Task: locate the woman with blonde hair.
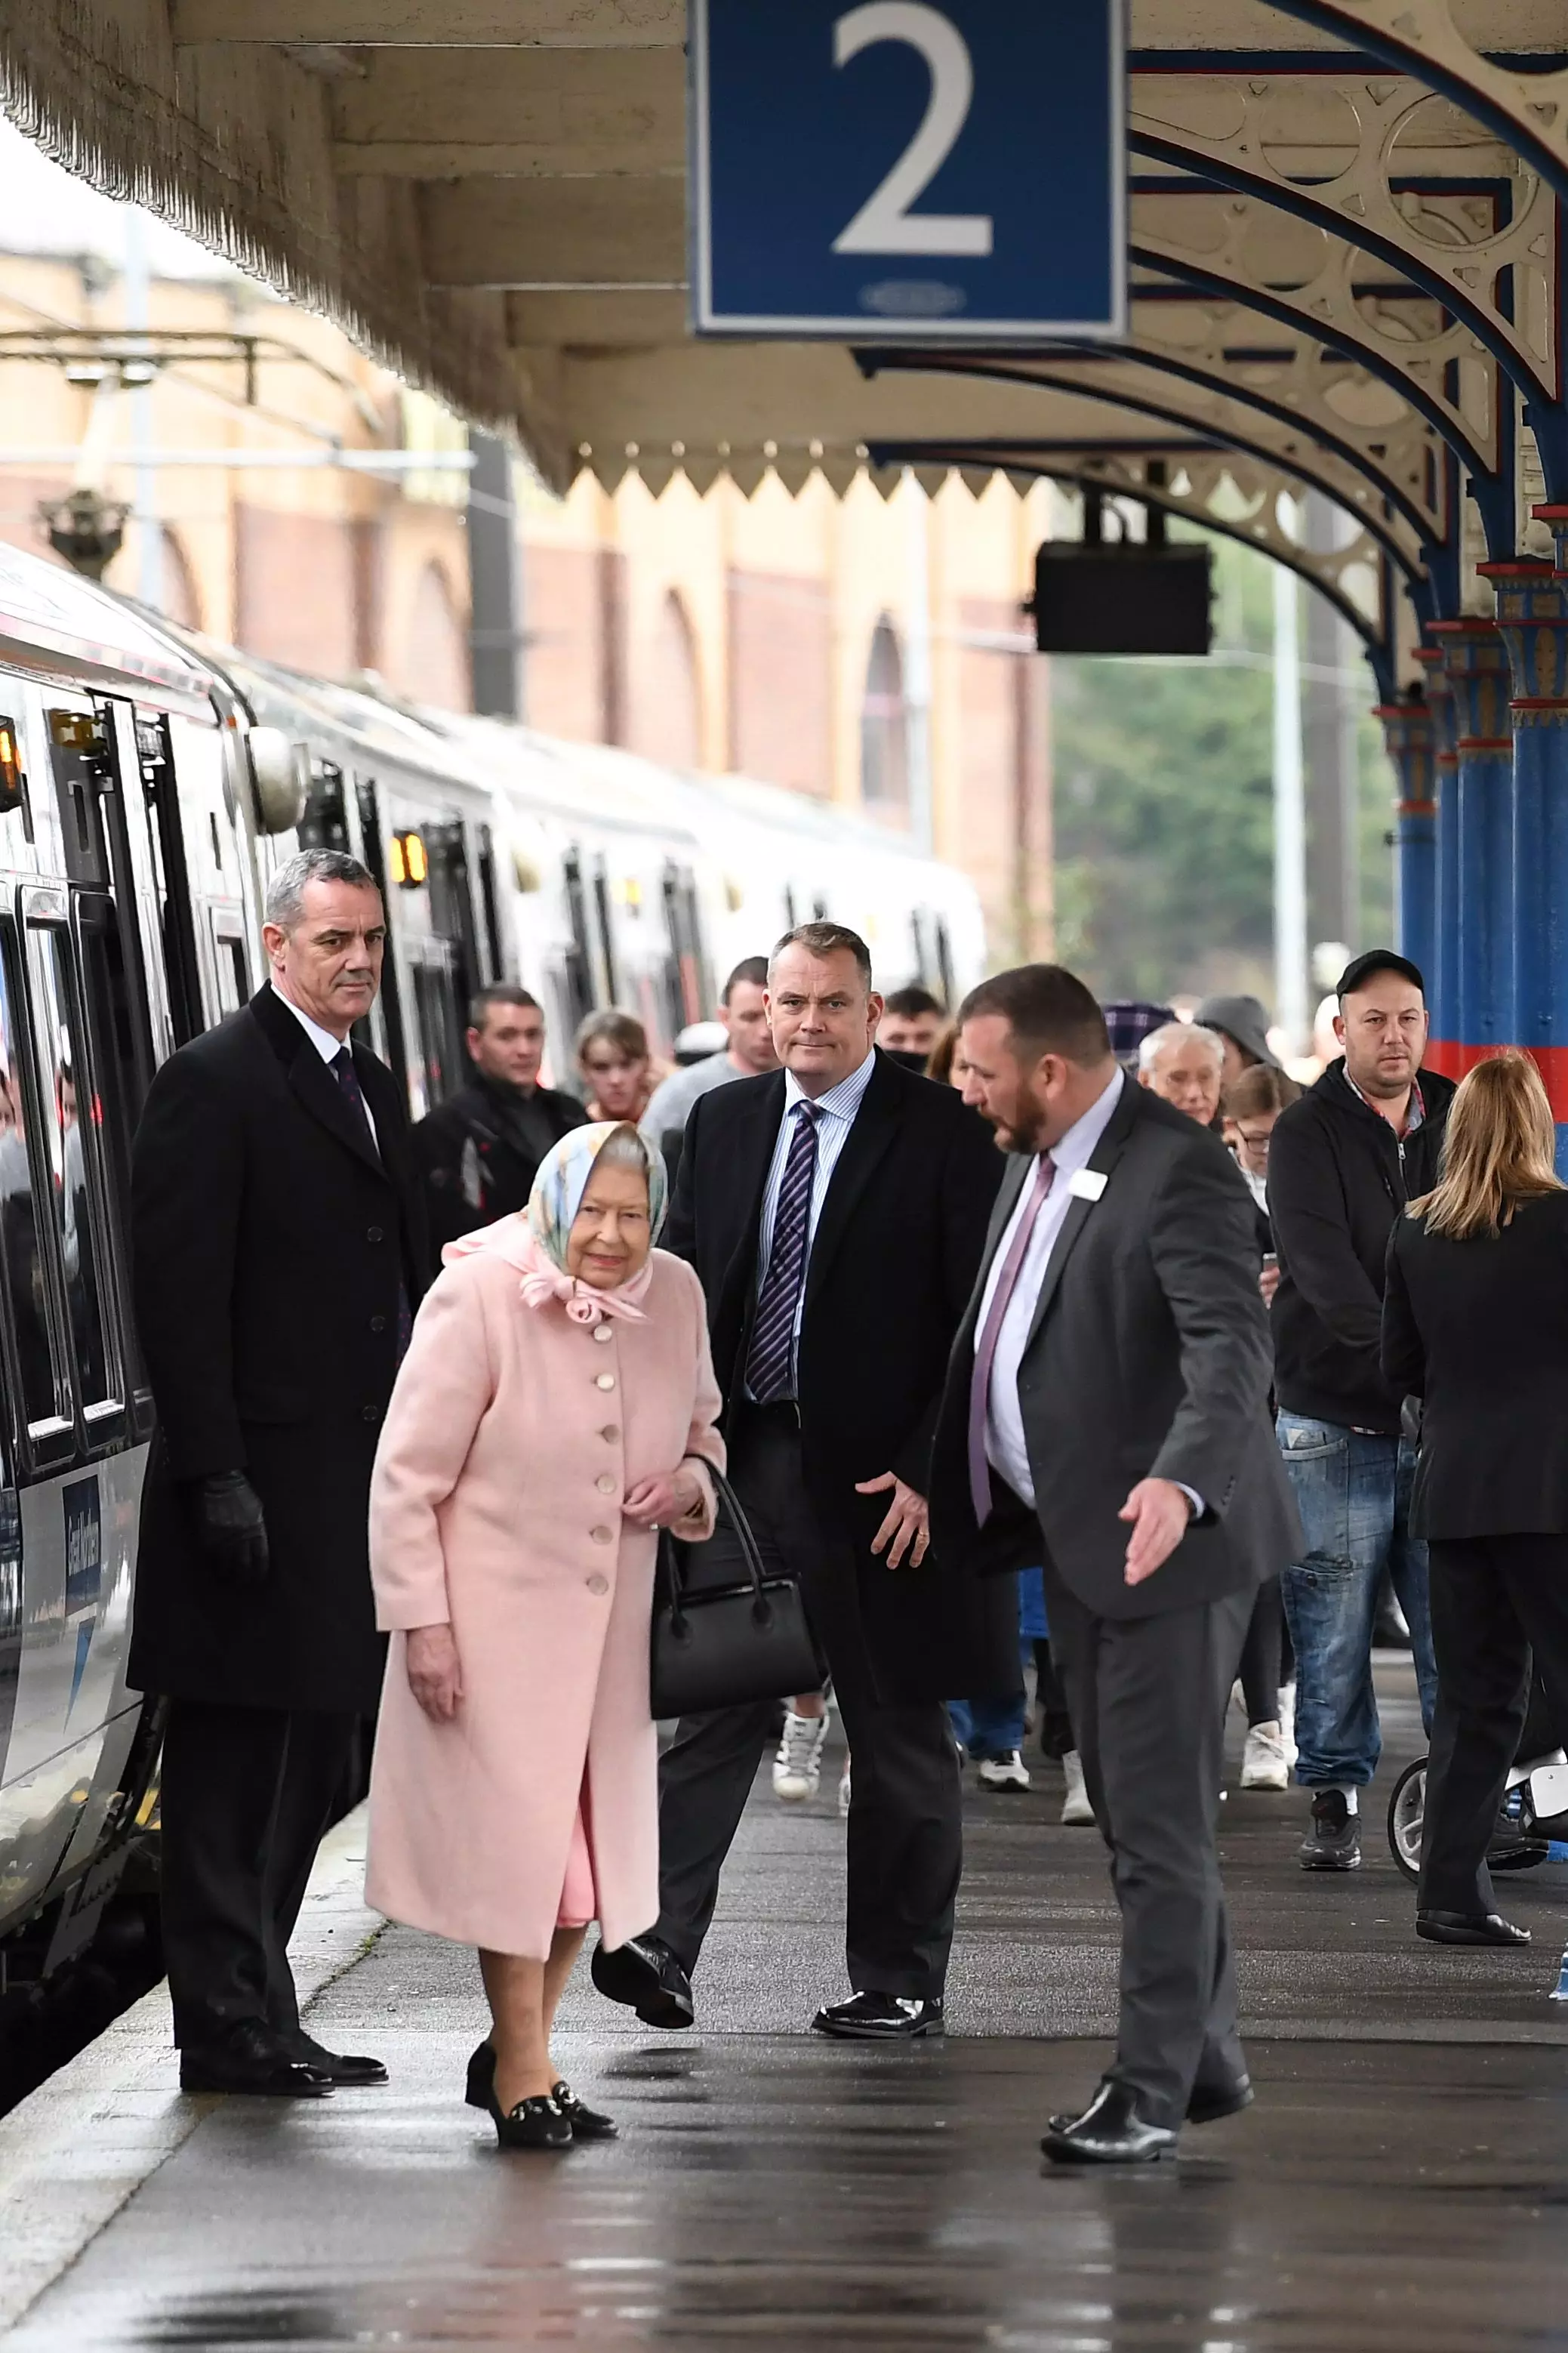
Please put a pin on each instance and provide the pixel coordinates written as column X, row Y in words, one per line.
column 1475, row 1323
column 556, row 1407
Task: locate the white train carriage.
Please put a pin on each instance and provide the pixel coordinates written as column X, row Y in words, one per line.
column 149, row 785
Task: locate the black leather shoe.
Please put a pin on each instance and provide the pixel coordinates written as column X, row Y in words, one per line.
column 342, row 2067
column 1110, row 2132
column 587, row 2124
column 1468, row 1928
column 1334, row 1843
column 880, row 2017
column 537, row 2123
column 250, row 2059
column 645, row 1977
column 481, row 2076
column 1211, row 2102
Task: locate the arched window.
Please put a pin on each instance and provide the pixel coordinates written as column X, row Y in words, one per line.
column 180, row 601
column 436, row 662
column 669, row 721
column 885, row 729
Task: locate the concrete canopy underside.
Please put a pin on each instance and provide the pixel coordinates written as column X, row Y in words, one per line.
column 1343, row 228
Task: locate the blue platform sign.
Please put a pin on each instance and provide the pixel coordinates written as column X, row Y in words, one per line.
column 900, row 172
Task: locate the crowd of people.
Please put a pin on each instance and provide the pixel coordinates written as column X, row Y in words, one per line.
column 1049, row 1340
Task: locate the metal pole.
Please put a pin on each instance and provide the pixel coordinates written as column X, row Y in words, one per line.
column 144, row 505
column 1290, row 818
column 495, row 633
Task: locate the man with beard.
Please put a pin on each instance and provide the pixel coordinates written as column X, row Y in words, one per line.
column 478, row 1153
column 1108, row 1393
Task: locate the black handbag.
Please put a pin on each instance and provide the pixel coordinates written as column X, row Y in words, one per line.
column 720, row 1646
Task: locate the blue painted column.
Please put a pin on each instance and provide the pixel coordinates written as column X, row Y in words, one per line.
column 1475, row 661
column 1532, row 620
column 1407, row 732
column 1443, row 980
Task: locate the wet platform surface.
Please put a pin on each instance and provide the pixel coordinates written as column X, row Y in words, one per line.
column 1402, row 2183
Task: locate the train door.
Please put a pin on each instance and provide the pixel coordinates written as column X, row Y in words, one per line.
column 689, row 984
column 373, row 851
column 575, row 977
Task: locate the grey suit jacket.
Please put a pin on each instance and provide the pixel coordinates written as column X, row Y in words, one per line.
column 1148, row 1357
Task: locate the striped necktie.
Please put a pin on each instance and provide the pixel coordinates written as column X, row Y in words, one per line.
column 770, row 1365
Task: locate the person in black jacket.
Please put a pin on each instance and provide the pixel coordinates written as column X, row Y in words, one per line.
column 1343, row 1163
column 835, row 1212
column 480, row 1153
column 279, row 1252
column 1475, row 1322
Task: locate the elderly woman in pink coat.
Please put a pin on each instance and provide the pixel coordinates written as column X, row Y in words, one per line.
column 556, row 1407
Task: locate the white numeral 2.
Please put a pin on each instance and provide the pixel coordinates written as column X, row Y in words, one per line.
column 884, row 223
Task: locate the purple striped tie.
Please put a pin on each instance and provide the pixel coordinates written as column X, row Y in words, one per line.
column 770, row 1363
column 985, row 1355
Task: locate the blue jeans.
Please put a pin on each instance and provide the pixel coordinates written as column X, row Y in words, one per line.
column 1352, row 1491
column 989, row 1727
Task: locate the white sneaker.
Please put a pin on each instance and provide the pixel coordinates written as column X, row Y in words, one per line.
column 1288, row 1719
column 844, row 1788
column 797, row 1768
column 1077, row 1811
column 1265, row 1760
column 1008, row 1772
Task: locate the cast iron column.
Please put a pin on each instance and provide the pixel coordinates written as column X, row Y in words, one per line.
column 1443, row 980
column 1408, row 733
column 1475, row 661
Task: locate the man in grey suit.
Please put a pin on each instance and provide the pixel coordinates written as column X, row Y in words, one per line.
column 1108, row 1390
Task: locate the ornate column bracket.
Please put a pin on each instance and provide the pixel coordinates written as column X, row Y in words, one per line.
column 1410, row 737
column 1476, row 664
column 1420, row 36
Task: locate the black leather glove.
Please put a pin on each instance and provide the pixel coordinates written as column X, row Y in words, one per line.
column 230, row 1530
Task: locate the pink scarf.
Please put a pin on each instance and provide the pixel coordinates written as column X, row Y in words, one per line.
column 542, row 1281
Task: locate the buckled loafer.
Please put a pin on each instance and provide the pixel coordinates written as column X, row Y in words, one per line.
column 251, row 2060
column 881, row 2017
column 342, row 2067
column 1468, row 1928
column 645, row 1976
column 1110, row 2132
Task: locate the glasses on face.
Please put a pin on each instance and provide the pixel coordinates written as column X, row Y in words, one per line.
column 1256, row 1139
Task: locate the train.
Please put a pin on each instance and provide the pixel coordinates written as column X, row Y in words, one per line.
column 151, row 781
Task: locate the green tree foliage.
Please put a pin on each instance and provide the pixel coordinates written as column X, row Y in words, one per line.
column 1163, row 808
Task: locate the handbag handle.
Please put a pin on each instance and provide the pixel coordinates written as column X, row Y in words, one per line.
column 750, row 1554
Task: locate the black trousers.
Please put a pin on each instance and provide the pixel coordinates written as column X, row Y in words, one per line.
column 1148, row 1697
column 1261, row 1654
column 247, row 1793
column 905, row 1829
column 1494, row 1600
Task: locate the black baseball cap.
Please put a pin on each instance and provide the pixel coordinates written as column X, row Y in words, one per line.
column 1362, row 968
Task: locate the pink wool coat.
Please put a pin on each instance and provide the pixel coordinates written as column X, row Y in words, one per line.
column 511, row 1437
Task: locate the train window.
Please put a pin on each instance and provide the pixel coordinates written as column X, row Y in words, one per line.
column 12, row 782
column 106, row 1111
column 440, row 1037
column 325, row 824
column 233, row 973
column 170, row 875
column 79, row 750
column 391, row 996
column 606, row 935
column 71, row 1114
column 490, row 905
column 689, row 990
column 43, row 1392
column 577, row 970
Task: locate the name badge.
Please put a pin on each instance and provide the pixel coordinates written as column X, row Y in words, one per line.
column 1087, row 1184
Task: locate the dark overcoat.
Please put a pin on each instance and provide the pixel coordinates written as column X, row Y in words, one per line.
column 269, row 1238
column 892, row 1263
column 1148, row 1357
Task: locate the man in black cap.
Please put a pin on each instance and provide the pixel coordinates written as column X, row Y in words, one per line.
column 1343, row 1162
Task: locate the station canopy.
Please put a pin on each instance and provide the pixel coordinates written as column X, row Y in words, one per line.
column 1343, row 223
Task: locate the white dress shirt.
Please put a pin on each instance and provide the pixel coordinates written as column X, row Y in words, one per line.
column 1006, row 1448
column 835, row 1116
column 328, row 1047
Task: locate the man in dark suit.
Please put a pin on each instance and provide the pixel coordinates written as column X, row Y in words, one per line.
column 835, row 1211
column 480, row 1153
column 1110, row 1392
column 279, row 1253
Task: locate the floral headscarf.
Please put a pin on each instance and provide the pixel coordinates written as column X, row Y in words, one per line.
column 554, row 1204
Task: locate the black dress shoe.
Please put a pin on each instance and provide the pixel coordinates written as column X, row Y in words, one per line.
column 1468, row 1928
column 536, row 2123
column 1211, row 2102
column 342, row 2067
column 482, row 2075
column 1110, row 2132
column 251, row 2059
column 880, row 2017
column 645, row 1977
column 587, row 2124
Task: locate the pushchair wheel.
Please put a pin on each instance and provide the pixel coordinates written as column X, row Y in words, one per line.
column 1406, row 1814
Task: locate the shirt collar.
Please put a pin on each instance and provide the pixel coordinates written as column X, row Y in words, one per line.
column 841, row 1101
column 326, row 1045
column 1414, row 1113
column 1076, row 1149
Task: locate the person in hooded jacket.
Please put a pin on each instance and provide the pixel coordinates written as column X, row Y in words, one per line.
column 1343, row 1163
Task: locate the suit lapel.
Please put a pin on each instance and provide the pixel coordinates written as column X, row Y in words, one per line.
column 310, row 1082
column 1019, row 1171
column 1102, row 1159
column 754, row 1134
column 871, row 1133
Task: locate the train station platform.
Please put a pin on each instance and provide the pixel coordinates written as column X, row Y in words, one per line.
column 1400, row 2183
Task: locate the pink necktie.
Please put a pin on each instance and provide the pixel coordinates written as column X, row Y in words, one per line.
column 980, row 1389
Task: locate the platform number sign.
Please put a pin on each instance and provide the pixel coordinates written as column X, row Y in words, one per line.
column 909, row 173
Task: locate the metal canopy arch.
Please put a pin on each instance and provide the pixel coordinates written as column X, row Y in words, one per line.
column 1125, row 474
